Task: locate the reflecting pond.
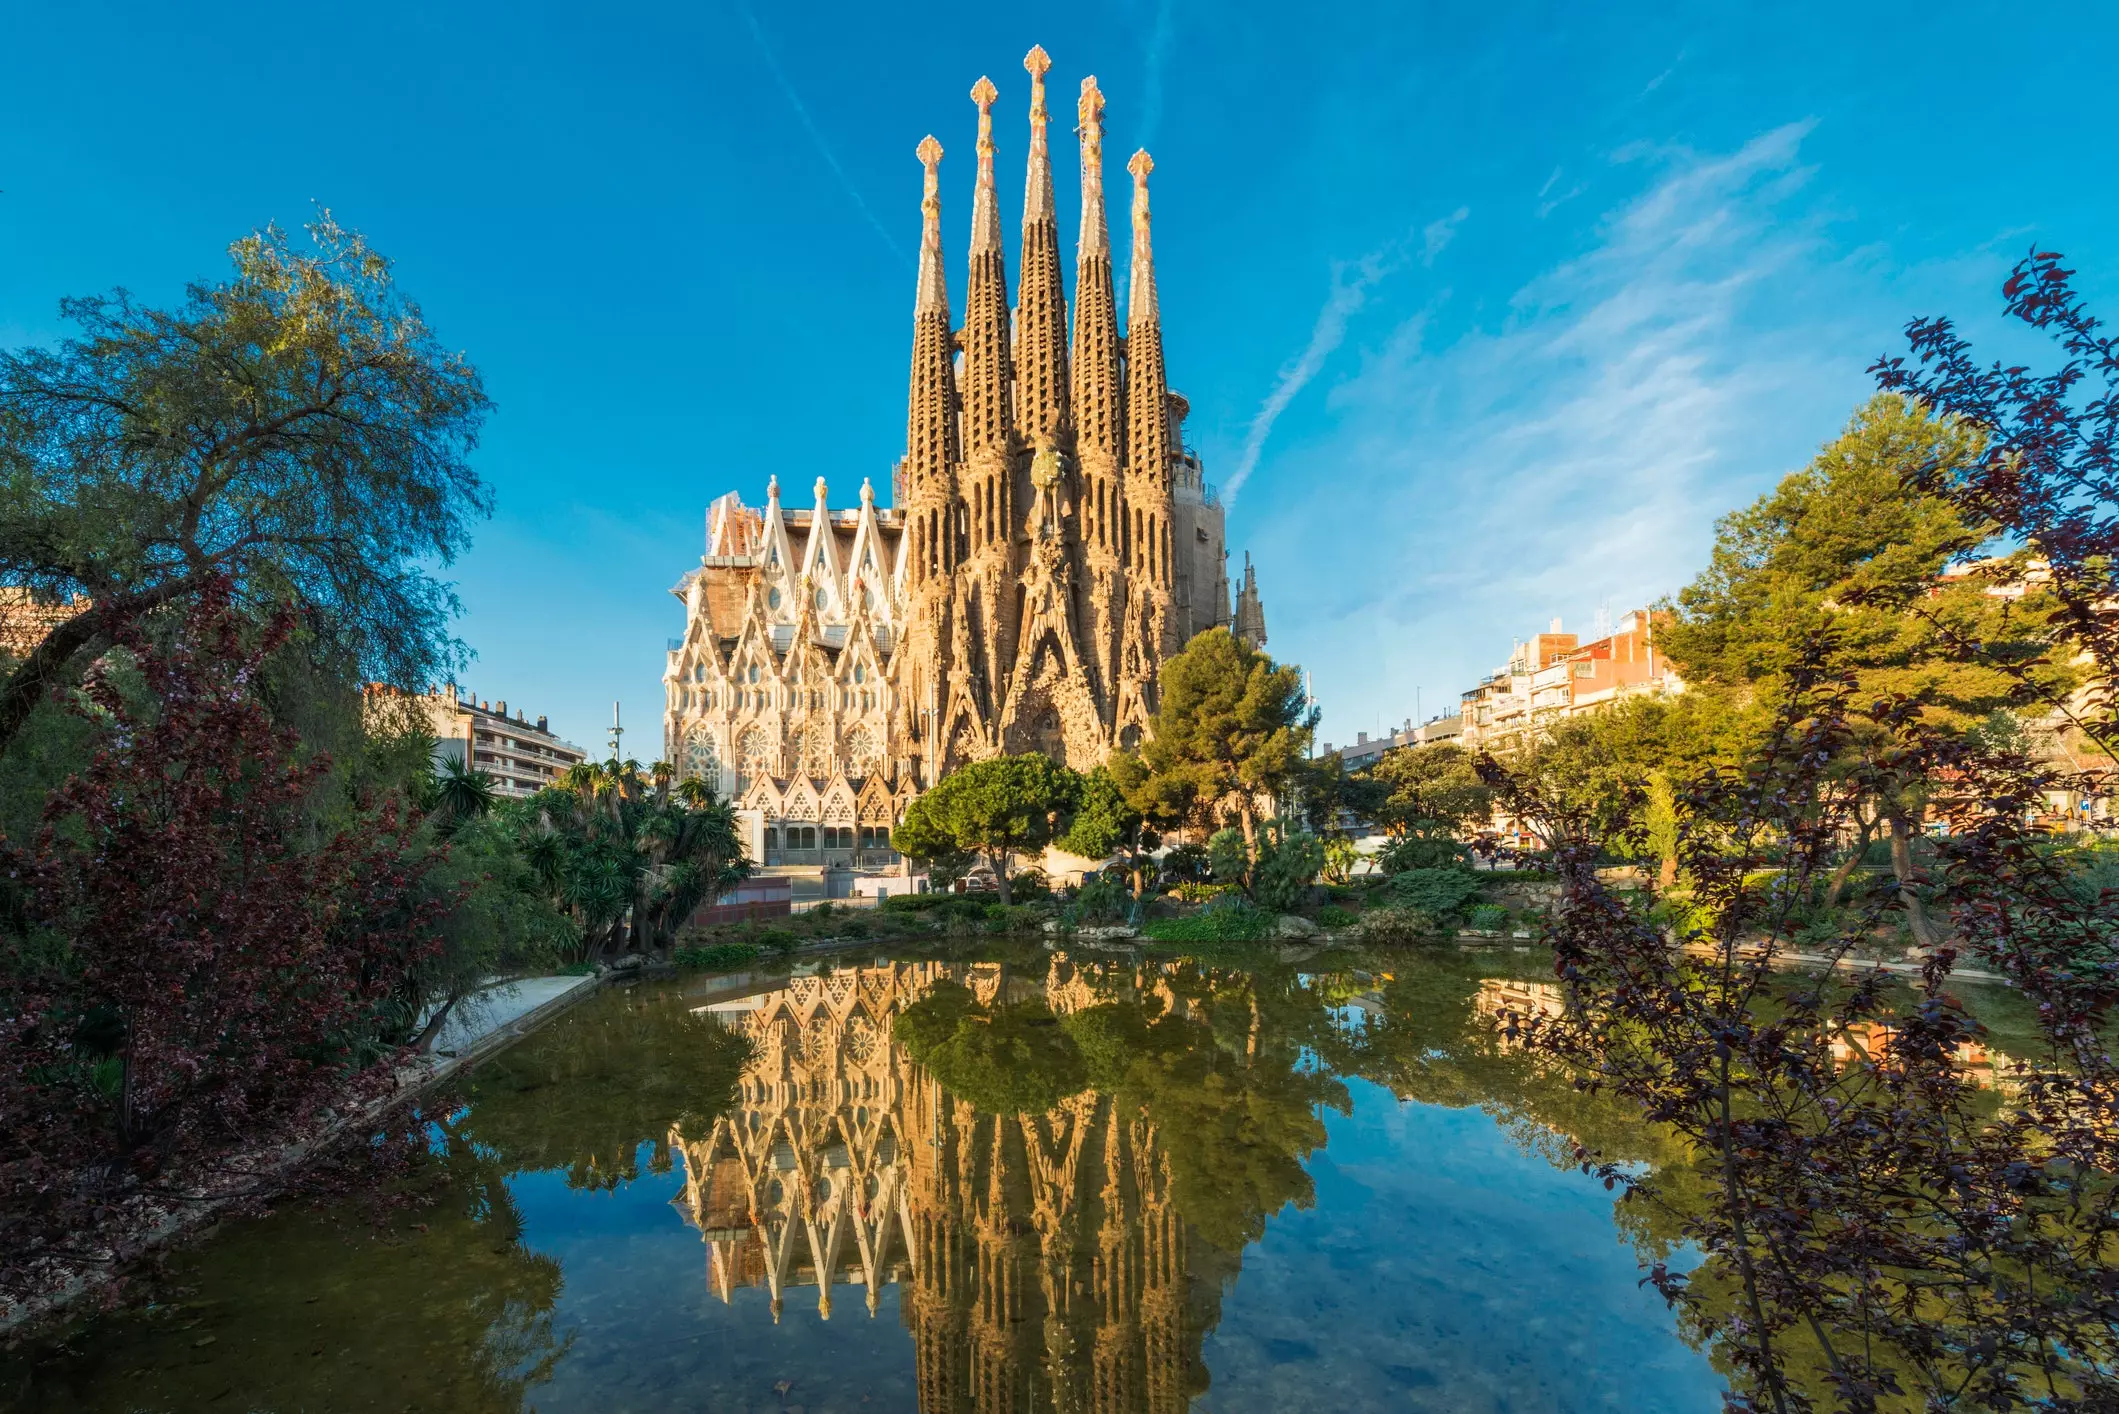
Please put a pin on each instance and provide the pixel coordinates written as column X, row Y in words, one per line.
column 1110, row 1182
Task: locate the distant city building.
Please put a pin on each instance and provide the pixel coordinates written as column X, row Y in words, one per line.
column 1550, row 676
column 522, row 757
column 1051, row 543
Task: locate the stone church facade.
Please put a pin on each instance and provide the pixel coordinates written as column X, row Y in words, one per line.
column 1050, row 543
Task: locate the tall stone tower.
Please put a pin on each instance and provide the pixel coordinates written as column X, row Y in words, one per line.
column 1052, row 543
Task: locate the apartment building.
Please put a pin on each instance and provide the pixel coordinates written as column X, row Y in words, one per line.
column 1552, row 676
column 521, row 756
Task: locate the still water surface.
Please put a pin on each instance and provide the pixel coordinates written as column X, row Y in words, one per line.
column 1120, row 1184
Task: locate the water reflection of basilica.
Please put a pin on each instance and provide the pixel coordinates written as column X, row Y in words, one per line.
column 1040, row 1260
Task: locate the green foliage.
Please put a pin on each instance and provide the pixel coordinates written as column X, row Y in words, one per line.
column 1441, row 894
column 1489, row 917
column 1333, row 916
column 1426, row 844
column 716, row 957
column 296, row 429
column 501, row 923
column 1429, row 789
column 1194, row 891
column 1288, row 864
column 1010, row 1059
column 1103, row 822
column 589, row 1090
column 1398, row 927
column 1103, row 899
column 1228, row 856
column 914, row 903
column 1227, row 920
column 630, row 853
column 777, row 939
column 1233, row 727
column 993, row 808
column 1331, row 796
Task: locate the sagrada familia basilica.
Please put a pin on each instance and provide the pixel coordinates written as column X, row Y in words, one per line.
column 1049, row 544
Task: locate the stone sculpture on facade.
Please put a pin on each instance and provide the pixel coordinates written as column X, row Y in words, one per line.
column 1050, row 544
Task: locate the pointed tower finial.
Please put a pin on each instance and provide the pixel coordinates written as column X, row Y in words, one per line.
column 985, row 205
column 1096, row 233
column 934, row 284
column 1037, row 191
column 1141, row 303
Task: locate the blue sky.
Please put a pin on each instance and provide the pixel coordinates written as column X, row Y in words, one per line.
column 1485, row 312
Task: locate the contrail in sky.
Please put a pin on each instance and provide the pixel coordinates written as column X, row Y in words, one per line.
column 794, row 101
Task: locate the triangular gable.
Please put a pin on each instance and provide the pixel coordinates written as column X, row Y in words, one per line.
column 779, row 566
column 875, row 804
column 801, row 800
column 820, row 562
column 764, row 797
column 868, row 586
column 838, row 805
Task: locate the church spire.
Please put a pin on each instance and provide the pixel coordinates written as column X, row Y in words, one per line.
column 1099, row 411
column 1147, row 385
column 931, row 425
column 986, row 365
column 1041, row 296
column 1099, row 405
column 1149, row 503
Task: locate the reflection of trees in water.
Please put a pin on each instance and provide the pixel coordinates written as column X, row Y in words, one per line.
column 446, row 1309
column 599, row 1082
column 1061, row 1192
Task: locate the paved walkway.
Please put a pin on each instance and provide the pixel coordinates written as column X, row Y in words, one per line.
column 479, row 1016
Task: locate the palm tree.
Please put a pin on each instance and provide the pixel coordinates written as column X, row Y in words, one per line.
column 461, row 794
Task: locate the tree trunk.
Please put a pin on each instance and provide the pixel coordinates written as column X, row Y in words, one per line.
column 432, row 1029
column 1924, row 931
column 1848, row 866
column 999, row 860
column 50, row 663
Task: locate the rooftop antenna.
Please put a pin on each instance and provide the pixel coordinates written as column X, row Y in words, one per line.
column 617, row 731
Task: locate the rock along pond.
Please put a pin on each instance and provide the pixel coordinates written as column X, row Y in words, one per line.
column 1117, row 1182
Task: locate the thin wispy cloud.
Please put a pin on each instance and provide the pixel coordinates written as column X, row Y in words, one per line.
column 816, row 136
column 1578, row 449
column 1351, row 283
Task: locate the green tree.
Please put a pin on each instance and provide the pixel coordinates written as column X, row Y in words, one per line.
column 1424, row 787
column 1839, row 576
column 1233, row 730
column 630, row 852
column 994, row 809
column 295, row 429
column 1103, row 822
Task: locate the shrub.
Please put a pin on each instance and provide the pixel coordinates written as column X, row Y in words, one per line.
column 1439, row 893
column 1431, row 848
column 716, row 957
column 914, row 903
column 1489, row 917
column 1193, row 891
column 1029, row 886
column 1333, row 916
column 777, row 939
column 1397, row 927
column 1286, row 868
column 1233, row 922
column 1101, row 900
column 1228, row 856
